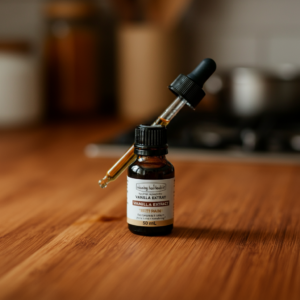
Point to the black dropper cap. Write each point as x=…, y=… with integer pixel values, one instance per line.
x=150, y=140
x=190, y=87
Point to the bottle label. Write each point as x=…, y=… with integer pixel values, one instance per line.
x=150, y=203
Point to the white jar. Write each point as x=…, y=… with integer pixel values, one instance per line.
x=20, y=97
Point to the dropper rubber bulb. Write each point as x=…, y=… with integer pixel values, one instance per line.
x=190, y=87
x=203, y=71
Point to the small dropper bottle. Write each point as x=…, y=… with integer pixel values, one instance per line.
x=150, y=184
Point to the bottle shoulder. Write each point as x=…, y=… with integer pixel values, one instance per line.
x=162, y=169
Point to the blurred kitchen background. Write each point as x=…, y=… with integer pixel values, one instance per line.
x=74, y=61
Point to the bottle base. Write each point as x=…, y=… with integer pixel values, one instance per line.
x=150, y=231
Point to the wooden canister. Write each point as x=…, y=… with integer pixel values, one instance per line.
x=146, y=65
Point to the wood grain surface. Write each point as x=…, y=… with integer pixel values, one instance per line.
x=236, y=236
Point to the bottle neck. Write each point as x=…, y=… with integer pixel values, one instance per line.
x=144, y=151
x=151, y=158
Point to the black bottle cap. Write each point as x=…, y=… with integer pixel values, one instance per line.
x=150, y=140
x=190, y=87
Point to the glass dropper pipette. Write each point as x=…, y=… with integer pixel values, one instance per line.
x=189, y=92
x=129, y=157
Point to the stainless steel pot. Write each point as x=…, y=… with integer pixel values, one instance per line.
x=252, y=92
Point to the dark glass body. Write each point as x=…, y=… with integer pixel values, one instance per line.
x=151, y=167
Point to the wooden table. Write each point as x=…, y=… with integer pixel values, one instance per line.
x=236, y=236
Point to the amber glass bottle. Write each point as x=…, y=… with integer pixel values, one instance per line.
x=71, y=53
x=150, y=184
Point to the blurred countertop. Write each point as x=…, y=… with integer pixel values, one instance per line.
x=236, y=235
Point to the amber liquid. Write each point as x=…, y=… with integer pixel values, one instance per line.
x=126, y=160
x=161, y=121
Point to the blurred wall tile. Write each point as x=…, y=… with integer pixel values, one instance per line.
x=247, y=17
x=284, y=50
x=227, y=51
x=20, y=19
x=241, y=32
